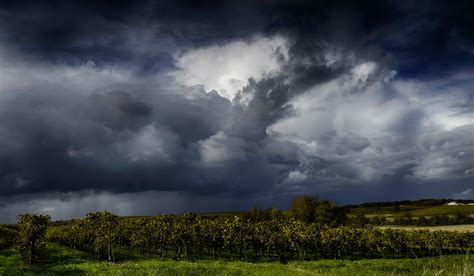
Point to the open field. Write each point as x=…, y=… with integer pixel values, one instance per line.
x=62, y=260
x=444, y=210
x=451, y=228
x=391, y=212
x=416, y=211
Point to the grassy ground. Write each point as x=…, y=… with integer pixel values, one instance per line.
x=453, y=228
x=63, y=260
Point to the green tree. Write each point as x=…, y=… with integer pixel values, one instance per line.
x=361, y=220
x=104, y=229
x=7, y=237
x=276, y=213
x=31, y=236
x=327, y=212
x=256, y=213
x=461, y=218
x=310, y=208
x=302, y=207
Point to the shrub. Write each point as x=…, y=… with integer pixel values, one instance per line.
x=7, y=237
x=31, y=236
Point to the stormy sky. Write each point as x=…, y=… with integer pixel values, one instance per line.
x=145, y=107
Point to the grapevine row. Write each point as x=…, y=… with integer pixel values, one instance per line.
x=189, y=236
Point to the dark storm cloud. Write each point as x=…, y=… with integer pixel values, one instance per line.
x=110, y=140
x=108, y=96
x=131, y=33
x=144, y=32
x=431, y=39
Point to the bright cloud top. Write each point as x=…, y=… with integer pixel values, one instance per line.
x=226, y=68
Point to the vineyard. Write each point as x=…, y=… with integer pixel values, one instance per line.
x=193, y=237
x=102, y=243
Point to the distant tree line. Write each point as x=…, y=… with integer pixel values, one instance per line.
x=312, y=209
x=421, y=202
x=306, y=208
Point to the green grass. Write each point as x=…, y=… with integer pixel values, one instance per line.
x=62, y=260
x=444, y=210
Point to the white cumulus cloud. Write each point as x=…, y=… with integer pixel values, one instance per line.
x=227, y=68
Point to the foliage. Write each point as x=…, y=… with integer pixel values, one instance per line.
x=302, y=207
x=7, y=237
x=97, y=233
x=258, y=214
x=360, y=220
x=309, y=208
x=276, y=213
x=30, y=241
x=189, y=237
